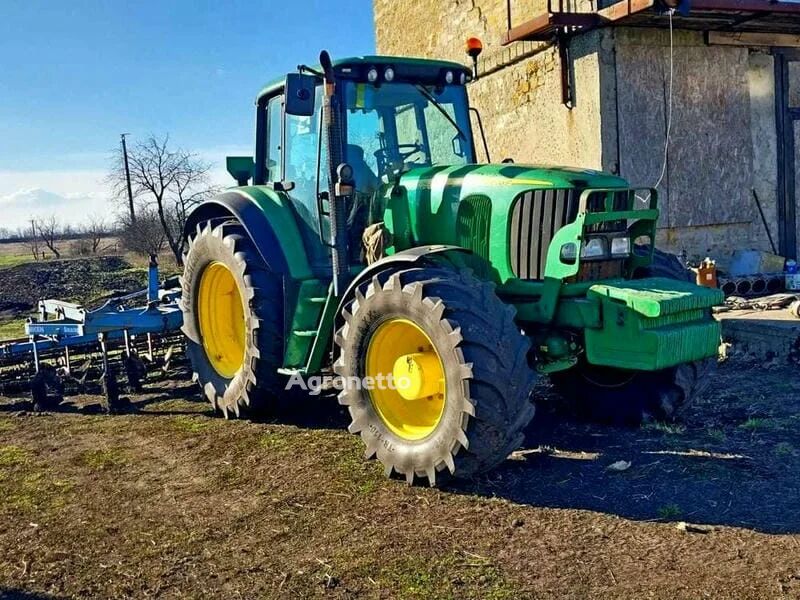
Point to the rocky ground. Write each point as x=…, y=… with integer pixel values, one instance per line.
x=175, y=502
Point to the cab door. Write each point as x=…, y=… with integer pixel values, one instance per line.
x=293, y=147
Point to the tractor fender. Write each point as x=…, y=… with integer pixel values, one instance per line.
x=268, y=220
x=404, y=257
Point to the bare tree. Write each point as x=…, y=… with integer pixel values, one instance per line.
x=169, y=181
x=32, y=236
x=94, y=231
x=144, y=235
x=50, y=232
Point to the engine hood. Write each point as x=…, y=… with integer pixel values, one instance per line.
x=470, y=206
x=500, y=179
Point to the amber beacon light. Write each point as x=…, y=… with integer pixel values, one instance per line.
x=474, y=49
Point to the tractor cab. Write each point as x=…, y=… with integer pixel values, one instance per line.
x=392, y=115
x=395, y=113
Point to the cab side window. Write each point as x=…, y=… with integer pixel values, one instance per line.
x=274, y=149
x=302, y=139
x=300, y=160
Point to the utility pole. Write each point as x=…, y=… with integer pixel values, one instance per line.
x=128, y=177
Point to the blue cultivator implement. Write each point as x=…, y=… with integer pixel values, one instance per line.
x=63, y=329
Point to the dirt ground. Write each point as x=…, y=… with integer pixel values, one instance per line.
x=77, y=280
x=174, y=502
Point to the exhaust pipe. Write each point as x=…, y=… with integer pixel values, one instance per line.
x=340, y=176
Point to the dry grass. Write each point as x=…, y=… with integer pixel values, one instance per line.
x=12, y=329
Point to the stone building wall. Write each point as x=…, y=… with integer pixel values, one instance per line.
x=722, y=142
x=520, y=104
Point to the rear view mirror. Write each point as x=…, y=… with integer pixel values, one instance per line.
x=299, y=94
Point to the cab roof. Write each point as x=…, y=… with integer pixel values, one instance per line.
x=345, y=66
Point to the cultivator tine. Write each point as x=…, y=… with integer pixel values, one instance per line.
x=109, y=379
x=82, y=381
x=67, y=361
x=150, y=356
x=168, y=358
x=135, y=370
x=82, y=374
x=35, y=353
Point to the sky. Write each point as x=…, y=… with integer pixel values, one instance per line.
x=76, y=74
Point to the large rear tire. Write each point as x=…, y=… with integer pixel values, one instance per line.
x=468, y=397
x=632, y=397
x=233, y=319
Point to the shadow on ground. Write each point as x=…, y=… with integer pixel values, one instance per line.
x=734, y=462
x=15, y=594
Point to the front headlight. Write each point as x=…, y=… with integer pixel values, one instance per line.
x=621, y=246
x=569, y=253
x=594, y=248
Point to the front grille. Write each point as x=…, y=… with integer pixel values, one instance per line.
x=537, y=215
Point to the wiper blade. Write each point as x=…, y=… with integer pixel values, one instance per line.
x=441, y=109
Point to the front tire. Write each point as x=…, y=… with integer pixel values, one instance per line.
x=632, y=397
x=232, y=318
x=667, y=265
x=468, y=399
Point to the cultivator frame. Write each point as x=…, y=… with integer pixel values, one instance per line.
x=61, y=328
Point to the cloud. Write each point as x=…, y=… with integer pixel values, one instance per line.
x=75, y=195
x=17, y=208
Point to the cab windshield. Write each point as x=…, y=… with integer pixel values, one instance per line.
x=398, y=126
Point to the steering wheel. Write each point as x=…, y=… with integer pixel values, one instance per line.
x=404, y=151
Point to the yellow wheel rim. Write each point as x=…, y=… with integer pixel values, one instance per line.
x=221, y=314
x=412, y=406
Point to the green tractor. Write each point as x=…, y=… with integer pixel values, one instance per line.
x=372, y=244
